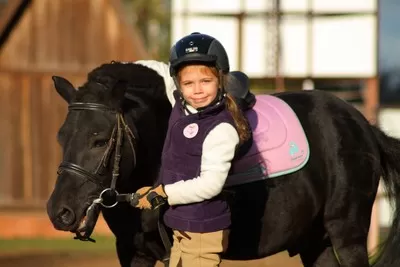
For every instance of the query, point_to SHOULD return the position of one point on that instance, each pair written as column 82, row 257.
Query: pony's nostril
column 66, row 216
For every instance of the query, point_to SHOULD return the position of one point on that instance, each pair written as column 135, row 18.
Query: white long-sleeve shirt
column 218, row 151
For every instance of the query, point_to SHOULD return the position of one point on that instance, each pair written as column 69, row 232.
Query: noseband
column 120, row 130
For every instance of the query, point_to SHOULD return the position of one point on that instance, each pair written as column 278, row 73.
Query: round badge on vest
column 191, row 130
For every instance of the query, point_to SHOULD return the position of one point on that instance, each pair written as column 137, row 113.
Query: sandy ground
column 37, row 224
column 79, row 260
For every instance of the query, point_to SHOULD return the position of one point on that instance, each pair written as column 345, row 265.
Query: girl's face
column 199, row 85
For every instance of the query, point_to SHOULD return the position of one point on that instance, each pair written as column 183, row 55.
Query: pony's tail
column 388, row 254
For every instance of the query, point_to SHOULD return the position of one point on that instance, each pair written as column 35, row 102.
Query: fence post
column 26, row 139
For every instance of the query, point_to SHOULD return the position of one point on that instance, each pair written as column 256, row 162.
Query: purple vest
column 181, row 160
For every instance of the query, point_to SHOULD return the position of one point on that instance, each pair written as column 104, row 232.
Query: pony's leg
column 327, row 259
column 347, row 213
column 347, row 222
column 140, row 260
column 351, row 251
column 319, row 256
column 132, row 257
column 166, row 263
column 350, row 247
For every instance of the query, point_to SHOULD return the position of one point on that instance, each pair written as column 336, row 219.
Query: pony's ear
column 118, row 94
column 64, row 88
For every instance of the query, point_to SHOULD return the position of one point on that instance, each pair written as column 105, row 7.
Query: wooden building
column 38, row 39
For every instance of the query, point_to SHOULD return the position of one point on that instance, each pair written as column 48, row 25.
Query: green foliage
column 153, row 19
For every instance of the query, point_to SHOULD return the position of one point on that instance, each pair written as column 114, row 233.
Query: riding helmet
column 201, row 48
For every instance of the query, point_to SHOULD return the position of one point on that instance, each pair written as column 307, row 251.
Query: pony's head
column 111, row 138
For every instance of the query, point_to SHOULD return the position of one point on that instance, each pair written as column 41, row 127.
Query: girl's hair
column 241, row 122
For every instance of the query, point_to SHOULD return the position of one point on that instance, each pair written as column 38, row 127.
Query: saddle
column 238, row 86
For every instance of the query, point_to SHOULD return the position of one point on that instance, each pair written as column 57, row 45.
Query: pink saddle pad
column 279, row 147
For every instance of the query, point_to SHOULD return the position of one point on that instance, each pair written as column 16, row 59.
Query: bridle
column 120, row 130
column 109, row 197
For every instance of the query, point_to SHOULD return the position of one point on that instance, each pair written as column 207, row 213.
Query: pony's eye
column 100, row 143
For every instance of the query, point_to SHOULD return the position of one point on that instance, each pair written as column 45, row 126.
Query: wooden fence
column 31, row 112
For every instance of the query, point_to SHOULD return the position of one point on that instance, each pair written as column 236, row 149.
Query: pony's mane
column 136, row 76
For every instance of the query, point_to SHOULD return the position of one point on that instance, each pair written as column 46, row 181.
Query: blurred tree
column 153, row 18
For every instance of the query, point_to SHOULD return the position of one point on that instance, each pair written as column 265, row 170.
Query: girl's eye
column 206, row 81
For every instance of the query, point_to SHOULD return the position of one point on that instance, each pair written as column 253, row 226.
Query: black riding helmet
column 201, row 48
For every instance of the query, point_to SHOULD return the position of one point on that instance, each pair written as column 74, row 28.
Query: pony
column 319, row 208
column 140, row 93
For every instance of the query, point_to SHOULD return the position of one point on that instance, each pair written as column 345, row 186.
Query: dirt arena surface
column 42, row 246
column 109, row 260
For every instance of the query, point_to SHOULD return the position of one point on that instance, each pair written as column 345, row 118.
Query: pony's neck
column 148, row 156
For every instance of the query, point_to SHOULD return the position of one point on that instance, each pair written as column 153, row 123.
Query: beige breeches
column 198, row 249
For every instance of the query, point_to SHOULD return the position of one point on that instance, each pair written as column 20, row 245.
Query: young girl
column 206, row 128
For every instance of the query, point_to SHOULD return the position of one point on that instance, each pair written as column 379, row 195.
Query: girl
column 206, row 128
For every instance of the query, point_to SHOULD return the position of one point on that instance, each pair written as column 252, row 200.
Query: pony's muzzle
column 66, row 216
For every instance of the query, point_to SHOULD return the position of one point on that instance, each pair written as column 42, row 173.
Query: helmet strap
column 221, row 80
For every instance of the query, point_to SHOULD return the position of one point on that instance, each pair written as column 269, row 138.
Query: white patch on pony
column 163, row 70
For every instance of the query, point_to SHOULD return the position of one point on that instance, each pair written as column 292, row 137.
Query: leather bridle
column 120, row 130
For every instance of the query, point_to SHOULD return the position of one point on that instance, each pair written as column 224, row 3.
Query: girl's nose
column 197, row 88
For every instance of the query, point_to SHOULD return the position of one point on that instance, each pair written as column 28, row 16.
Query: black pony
column 321, row 212
column 85, row 137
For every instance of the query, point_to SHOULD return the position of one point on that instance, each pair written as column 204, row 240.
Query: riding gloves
column 145, row 192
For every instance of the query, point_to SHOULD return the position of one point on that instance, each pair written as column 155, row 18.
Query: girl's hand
column 147, row 194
